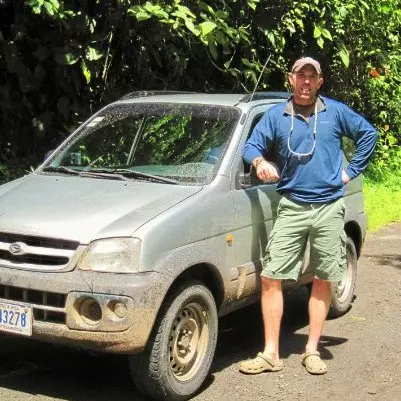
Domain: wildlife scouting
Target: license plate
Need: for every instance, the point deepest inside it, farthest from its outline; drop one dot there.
(16, 318)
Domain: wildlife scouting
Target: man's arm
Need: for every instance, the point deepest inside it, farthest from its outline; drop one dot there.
(257, 145)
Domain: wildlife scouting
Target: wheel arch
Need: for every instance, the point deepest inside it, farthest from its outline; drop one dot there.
(206, 274)
(353, 230)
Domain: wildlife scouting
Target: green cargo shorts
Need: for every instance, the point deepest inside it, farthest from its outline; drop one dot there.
(323, 224)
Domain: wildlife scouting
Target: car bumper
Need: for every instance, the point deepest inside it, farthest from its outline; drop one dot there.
(98, 311)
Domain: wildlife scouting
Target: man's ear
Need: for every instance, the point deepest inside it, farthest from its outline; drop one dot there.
(320, 82)
(291, 79)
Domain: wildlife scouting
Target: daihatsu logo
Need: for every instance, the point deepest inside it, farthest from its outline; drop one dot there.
(17, 248)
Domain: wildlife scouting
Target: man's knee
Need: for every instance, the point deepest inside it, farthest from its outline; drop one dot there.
(269, 284)
(321, 287)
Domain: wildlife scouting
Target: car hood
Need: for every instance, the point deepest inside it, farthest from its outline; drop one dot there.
(83, 209)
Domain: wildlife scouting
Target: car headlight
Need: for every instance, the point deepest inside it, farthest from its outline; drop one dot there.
(112, 255)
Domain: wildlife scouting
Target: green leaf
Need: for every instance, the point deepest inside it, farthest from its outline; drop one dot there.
(190, 25)
(70, 59)
(392, 140)
(207, 27)
(385, 9)
(300, 23)
(344, 54)
(327, 34)
(86, 72)
(186, 11)
(270, 35)
(92, 54)
(253, 4)
(156, 10)
(139, 13)
(366, 5)
(213, 49)
(246, 62)
(317, 31)
(320, 42)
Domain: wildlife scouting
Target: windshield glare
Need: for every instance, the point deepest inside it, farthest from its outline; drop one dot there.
(179, 141)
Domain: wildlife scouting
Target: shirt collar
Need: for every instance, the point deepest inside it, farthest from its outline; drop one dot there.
(321, 105)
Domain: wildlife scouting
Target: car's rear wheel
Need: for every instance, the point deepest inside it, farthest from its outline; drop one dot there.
(343, 291)
(181, 349)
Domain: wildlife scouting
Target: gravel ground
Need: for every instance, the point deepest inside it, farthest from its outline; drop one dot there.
(362, 350)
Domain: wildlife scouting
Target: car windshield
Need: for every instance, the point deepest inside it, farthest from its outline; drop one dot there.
(158, 142)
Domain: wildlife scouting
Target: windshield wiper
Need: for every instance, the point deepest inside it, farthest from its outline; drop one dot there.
(133, 173)
(124, 173)
(101, 174)
(60, 169)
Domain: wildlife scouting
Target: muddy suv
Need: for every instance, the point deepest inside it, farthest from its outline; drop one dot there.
(141, 229)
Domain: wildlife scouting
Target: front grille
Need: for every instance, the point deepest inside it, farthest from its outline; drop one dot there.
(31, 252)
(39, 241)
(34, 259)
(47, 306)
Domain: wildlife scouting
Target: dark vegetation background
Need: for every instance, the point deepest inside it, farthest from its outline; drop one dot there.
(62, 60)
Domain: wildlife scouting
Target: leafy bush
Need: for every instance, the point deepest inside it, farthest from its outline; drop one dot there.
(62, 60)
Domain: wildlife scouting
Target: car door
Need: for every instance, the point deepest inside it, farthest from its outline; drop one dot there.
(255, 207)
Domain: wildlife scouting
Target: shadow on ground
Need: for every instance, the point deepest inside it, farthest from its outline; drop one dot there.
(63, 373)
(393, 260)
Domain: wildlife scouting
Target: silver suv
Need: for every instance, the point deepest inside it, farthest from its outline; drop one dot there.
(141, 229)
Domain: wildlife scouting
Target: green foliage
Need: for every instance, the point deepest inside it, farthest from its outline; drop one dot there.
(382, 201)
(61, 60)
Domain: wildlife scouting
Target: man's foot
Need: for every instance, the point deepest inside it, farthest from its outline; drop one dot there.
(313, 363)
(260, 364)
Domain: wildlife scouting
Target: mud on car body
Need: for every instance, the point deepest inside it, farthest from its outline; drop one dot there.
(144, 227)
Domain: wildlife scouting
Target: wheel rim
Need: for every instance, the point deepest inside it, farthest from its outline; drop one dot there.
(344, 287)
(188, 341)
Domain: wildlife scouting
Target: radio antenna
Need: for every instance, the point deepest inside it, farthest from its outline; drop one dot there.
(260, 76)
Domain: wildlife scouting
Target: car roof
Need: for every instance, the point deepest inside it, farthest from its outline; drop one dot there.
(222, 99)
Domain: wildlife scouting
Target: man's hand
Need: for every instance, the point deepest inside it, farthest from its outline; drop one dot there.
(266, 171)
(345, 177)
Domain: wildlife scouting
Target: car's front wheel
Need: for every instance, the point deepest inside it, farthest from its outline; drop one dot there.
(343, 291)
(180, 351)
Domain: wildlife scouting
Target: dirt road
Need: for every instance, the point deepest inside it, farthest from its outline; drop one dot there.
(362, 350)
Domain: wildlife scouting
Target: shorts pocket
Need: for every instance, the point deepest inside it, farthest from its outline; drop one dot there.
(267, 258)
(342, 263)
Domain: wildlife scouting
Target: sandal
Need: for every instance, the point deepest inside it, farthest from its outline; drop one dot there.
(313, 363)
(260, 364)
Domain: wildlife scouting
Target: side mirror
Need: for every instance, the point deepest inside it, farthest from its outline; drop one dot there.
(247, 179)
(244, 180)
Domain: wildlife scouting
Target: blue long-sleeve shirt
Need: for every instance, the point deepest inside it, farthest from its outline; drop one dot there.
(317, 178)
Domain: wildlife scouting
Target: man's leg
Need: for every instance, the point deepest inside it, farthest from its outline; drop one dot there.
(319, 304)
(328, 261)
(283, 261)
(272, 311)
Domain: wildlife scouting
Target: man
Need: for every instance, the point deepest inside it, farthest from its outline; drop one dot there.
(306, 132)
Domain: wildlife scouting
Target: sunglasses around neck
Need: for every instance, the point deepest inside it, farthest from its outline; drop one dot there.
(298, 155)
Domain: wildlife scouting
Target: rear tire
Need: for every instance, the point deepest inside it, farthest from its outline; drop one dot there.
(180, 351)
(343, 292)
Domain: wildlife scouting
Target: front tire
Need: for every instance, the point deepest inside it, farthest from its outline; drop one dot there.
(343, 291)
(180, 351)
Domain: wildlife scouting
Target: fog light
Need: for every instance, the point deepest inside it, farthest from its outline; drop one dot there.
(90, 311)
(120, 309)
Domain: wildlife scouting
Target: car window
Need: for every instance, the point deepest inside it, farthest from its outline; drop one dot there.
(271, 153)
(180, 141)
(247, 166)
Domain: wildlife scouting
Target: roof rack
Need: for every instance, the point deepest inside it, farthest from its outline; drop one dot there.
(135, 94)
(265, 95)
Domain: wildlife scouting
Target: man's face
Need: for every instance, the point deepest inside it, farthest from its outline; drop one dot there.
(305, 84)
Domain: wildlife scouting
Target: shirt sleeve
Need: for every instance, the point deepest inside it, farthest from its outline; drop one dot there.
(364, 136)
(261, 138)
